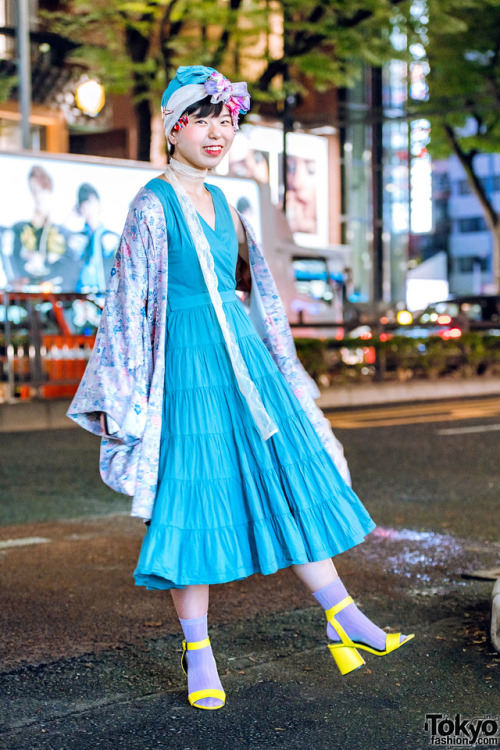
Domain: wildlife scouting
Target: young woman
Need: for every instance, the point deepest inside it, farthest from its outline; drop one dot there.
(206, 415)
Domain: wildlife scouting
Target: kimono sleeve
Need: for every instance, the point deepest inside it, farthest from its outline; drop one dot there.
(117, 378)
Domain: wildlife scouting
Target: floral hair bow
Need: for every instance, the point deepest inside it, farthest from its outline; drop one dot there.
(234, 95)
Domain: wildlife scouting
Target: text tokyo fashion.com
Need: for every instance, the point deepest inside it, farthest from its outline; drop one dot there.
(454, 731)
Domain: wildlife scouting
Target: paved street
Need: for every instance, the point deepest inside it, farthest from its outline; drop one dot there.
(90, 661)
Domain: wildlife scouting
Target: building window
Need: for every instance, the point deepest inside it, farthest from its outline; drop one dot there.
(468, 264)
(440, 211)
(441, 182)
(472, 224)
(464, 187)
(490, 184)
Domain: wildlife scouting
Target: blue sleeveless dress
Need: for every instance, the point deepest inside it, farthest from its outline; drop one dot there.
(229, 503)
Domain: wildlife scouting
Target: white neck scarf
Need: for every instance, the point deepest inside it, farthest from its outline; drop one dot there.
(185, 172)
(263, 421)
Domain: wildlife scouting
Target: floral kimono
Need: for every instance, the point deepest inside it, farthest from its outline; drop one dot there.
(124, 378)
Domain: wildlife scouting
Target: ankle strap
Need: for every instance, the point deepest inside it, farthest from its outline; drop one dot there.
(195, 645)
(338, 607)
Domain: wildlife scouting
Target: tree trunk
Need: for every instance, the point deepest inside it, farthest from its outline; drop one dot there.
(496, 258)
(143, 118)
(138, 45)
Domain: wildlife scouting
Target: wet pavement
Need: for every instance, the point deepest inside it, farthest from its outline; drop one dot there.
(104, 673)
(88, 660)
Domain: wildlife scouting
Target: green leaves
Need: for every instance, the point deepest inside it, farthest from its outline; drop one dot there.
(462, 43)
(326, 41)
(7, 84)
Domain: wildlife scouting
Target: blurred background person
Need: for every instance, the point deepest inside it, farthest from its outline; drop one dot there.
(35, 251)
(245, 208)
(95, 245)
(301, 196)
(248, 162)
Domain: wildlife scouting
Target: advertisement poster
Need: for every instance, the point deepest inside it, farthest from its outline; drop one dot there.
(61, 218)
(257, 153)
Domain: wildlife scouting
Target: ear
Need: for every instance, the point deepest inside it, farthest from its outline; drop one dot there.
(172, 139)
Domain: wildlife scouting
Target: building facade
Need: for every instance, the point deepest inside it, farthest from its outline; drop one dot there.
(470, 242)
(376, 185)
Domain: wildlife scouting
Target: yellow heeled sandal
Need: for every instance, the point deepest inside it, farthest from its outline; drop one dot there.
(345, 653)
(199, 694)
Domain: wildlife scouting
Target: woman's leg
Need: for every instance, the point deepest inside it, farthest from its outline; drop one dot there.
(191, 604)
(316, 575)
(322, 580)
(191, 601)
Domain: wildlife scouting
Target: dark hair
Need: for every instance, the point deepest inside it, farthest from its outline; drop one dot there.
(43, 178)
(86, 191)
(202, 108)
(205, 108)
(243, 204)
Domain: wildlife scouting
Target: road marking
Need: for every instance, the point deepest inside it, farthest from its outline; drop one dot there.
(8, 543)
(474, 428)
(415, 413)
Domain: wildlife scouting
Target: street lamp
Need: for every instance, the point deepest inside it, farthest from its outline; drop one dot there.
(89, 97)
(24, 70)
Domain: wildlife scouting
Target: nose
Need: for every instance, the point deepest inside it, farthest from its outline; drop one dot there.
(214, 130)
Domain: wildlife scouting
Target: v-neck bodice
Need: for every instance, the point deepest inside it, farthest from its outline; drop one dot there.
(185, 276)
(214, 203)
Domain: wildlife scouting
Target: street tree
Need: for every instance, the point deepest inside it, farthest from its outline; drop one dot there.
(462, 46)
(278, 46)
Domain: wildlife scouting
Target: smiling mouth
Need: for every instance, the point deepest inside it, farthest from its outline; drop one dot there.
(213, 149)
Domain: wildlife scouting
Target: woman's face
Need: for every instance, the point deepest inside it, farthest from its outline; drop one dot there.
(204, 141)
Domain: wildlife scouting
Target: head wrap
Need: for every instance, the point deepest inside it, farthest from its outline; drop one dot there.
(195, 82)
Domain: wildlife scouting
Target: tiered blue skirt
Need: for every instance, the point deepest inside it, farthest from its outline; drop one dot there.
(230, 504)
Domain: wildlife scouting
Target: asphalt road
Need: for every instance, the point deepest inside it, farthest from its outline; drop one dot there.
(427, 467)
(89, 661)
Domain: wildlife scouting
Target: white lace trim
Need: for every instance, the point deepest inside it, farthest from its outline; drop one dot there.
(263, 421)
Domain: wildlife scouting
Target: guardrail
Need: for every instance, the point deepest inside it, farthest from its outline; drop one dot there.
(33, 362)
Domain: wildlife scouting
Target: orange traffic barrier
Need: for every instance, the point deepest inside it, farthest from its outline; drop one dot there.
(65, 359)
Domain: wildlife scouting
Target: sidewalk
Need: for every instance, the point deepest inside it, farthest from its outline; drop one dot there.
(51, 414)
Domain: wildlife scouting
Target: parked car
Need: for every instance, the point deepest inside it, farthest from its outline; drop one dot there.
(453, 317)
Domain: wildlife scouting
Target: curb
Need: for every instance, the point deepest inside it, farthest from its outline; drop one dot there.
(371, 394)
(35, 415)
(51, 413)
